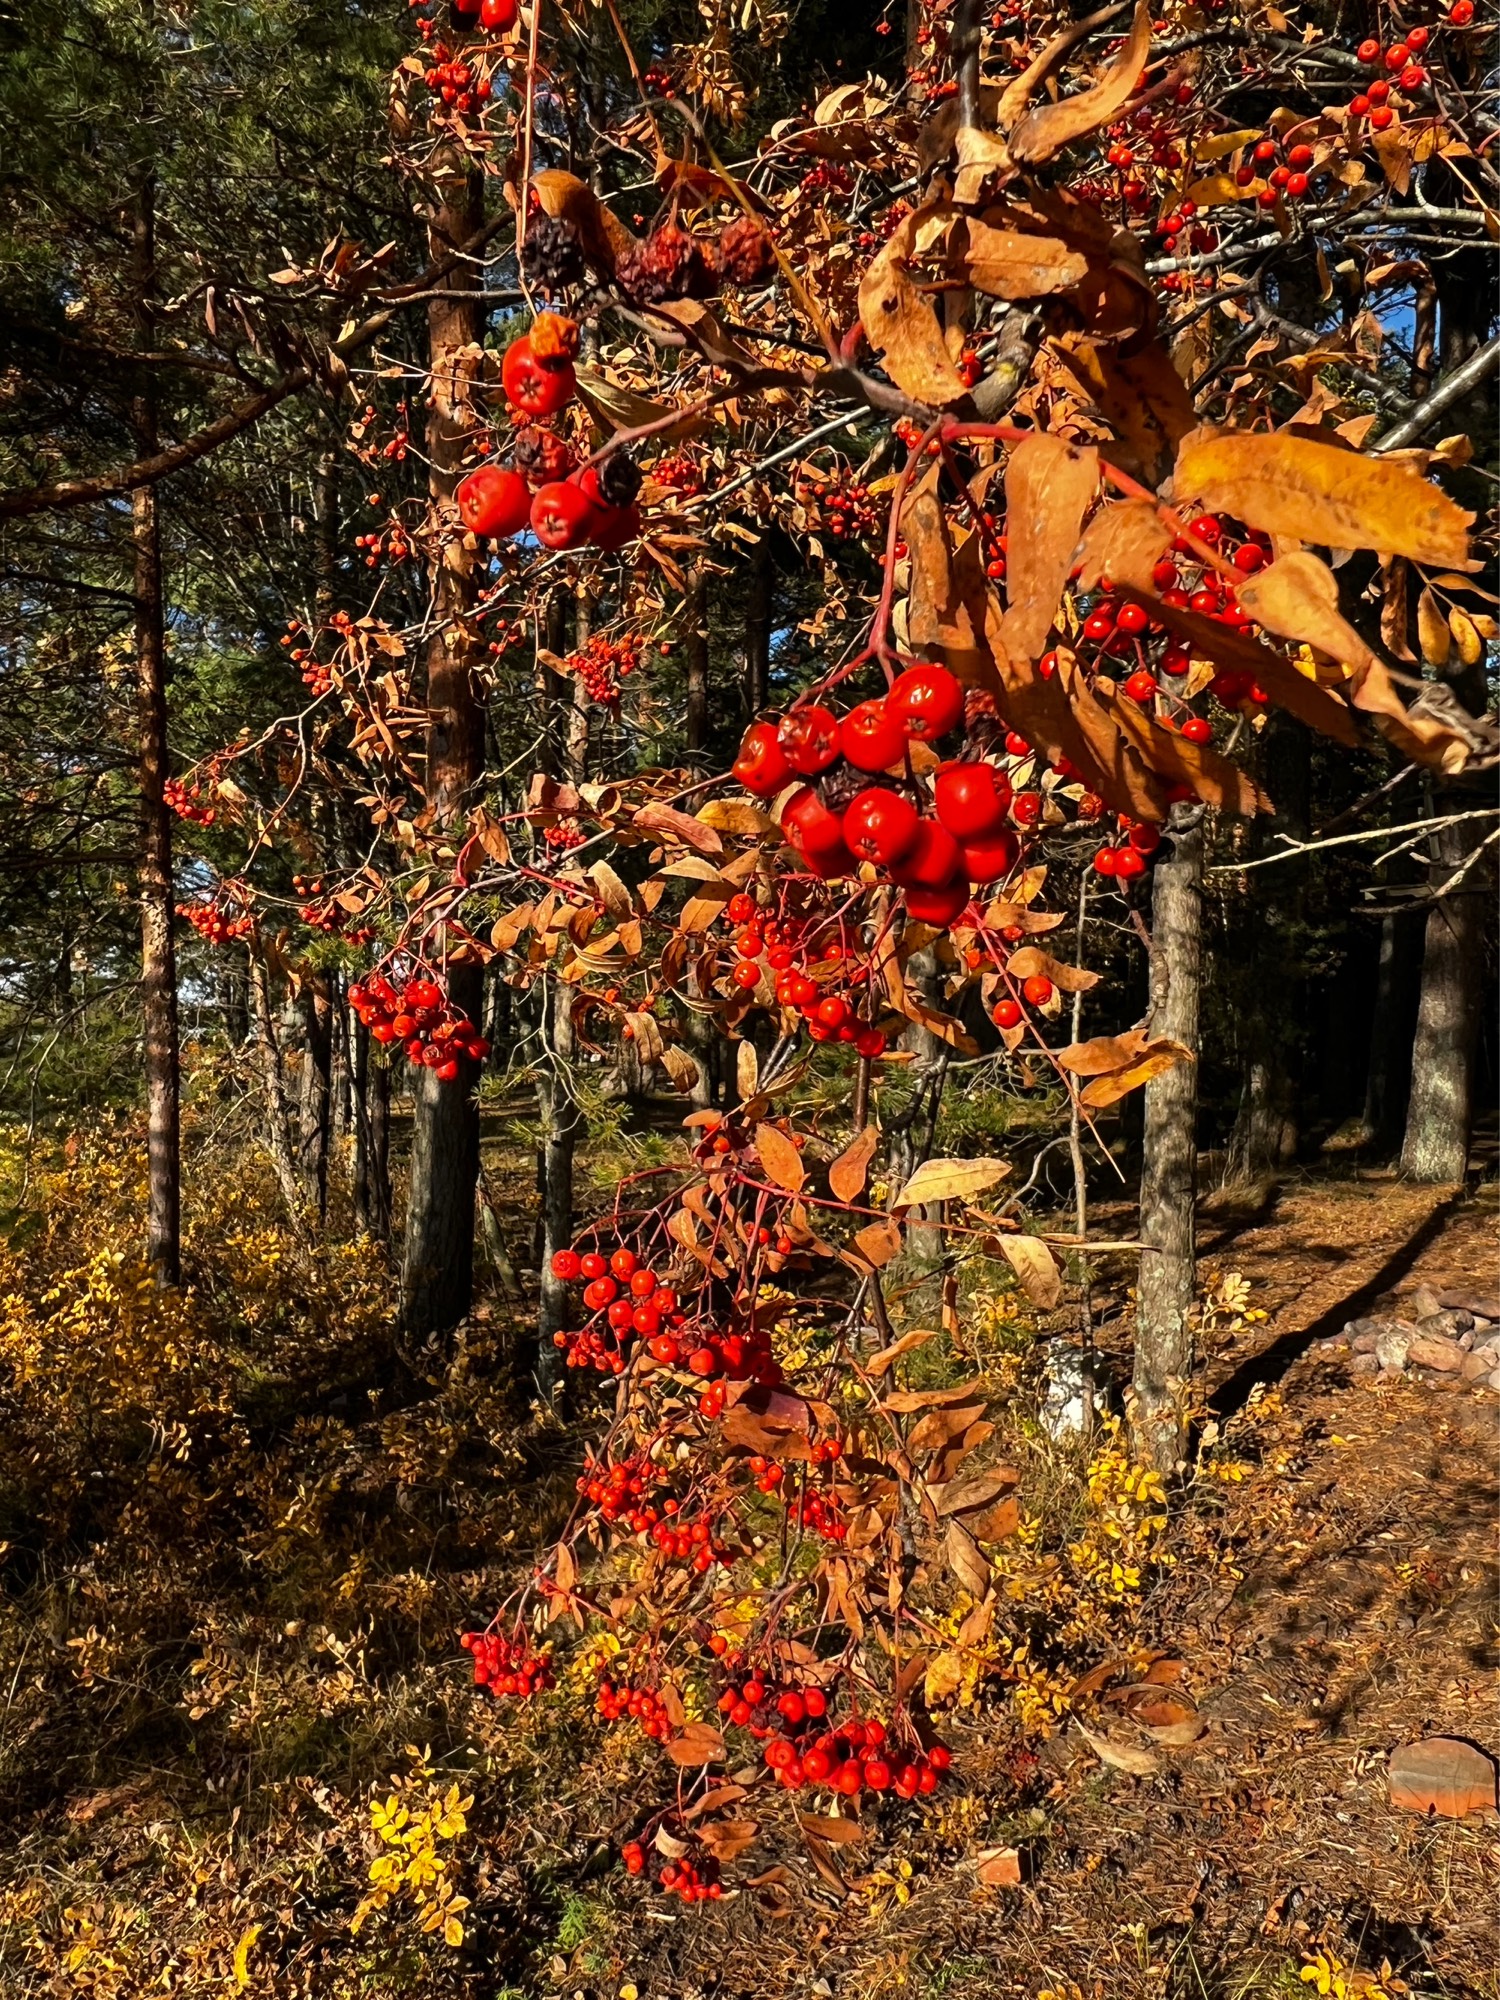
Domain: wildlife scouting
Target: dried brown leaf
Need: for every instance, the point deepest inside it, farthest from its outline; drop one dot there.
(780, 1158)
(1049, 128)
(1049, 486)
(950, 1180)
(848, 1173)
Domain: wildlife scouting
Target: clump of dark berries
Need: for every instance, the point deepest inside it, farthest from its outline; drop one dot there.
(667, 264)
(745, 253)
(619, 479)
(540, 455)
(552, 255)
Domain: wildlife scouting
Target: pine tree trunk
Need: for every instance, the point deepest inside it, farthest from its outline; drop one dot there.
(438, 1265)
(315, 1105)
(158, 949)
(758, 629)
(1440, 1111)
(1388, 1073)
(273, 1090)
(1164, 1338)
(562, 1126)
(695, 648)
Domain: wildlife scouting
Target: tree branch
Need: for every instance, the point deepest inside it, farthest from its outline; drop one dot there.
(1452, 389)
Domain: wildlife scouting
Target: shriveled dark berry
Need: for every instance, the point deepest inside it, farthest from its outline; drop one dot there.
(668, 264)
(745, 253)
(552, 255)
(619, 479)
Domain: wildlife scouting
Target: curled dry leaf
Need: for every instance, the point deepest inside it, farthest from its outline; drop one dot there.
(1011, 264)
(1049, 487)
(1036, 1267)
(1122, 542)
(727, 1839)
(1297, 597)
(961, 1496)
(903, 1401)
(1031, 959)
(997, 1523)
(1171, 1719)
(847, 1175)
(841, 1832)
(1214, 779)
(746, 1069)
(568, 199)
(680, 827)
(1154, 1059)
(902, 326)
(1019, 91)
(939, 1428)
(780, 1158)
(1297, 488)
(1049, 128)
(950, 1180)
(878, 1242)
(944, 1677)
(697, 1744)
(1442, 1774)
(884, 1361)
(1121, 1756)
(966, 1560)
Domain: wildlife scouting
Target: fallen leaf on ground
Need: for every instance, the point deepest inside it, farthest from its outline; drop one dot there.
(1000, 1867)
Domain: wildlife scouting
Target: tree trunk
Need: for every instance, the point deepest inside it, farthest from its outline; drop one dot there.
(1388, 1073)
(1441, 1108)
(372, 1127)
(696, 663)
(315, 1104)
(562, 1126)
(158, 950)
(438, 1266)
(1164, 1338)
(758, 629)
(273, 1089)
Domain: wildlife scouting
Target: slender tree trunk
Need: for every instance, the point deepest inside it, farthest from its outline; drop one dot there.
(1440, 1111)
(158, 949)
(273, 1090)
(696, 665)
(438, 1267)
(1164, 1337)
(315, 1106)
(562, 1127)
(577, 745)
(1389, 1070)
(758, 629)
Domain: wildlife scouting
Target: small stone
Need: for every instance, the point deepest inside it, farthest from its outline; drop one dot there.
(1466, 1340)
(1364, 1341)
(1450, 1323)
(1494, 1381)
(1433, 1350)
(1393, 1344)
(1483, 1305)
(1476, 1367)
(1424, 1300)
(1364, 1364)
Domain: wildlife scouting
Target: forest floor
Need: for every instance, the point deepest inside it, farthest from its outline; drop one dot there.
(1331, 1599)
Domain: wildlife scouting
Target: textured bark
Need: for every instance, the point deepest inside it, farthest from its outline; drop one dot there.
(1164, 1338)
(158, 948)
(437, 1274)
(1440, 1111)
(1388, 1073)
(371, 1112)
(758, 629)
(315, 1097)
(562, 1126)
(273, 1090)
(695, 660)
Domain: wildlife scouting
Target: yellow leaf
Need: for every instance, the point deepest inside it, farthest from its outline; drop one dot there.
(780, 1158)
(1034, 1264)
(1043, 132)
(1293, 486)
(950, 1180)
(453, 1932)
(242, 1953)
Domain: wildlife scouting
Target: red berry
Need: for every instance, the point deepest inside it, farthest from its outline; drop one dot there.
(1037, 990)
(816, 834)
(809, 739)
(971, 799)
(987, 860)
(1007, 1014)
(566, 1264)
(1198, 729)
(494, 501)
(937, 907)
(561, 515)
(1397, 56)
(927, 701)
(1382, 117)
(871, 737)
(1461, 13)
(498, 15)
(1140, 686)
(932, 861)
(539, 391)
(762, 766)
(880, 825)
(1368, 51)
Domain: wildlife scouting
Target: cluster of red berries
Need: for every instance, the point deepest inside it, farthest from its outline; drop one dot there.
(693, 1542)
(393, 545)
(682, 471)
(620, 1491)
(837, 506)
(1130, 857)
(658, 81)
(184, 801)
(497, 17)
(932, 859)
(603, 664)
(508, 1666)
(455, 80)
(642, 1705)
(324, 913)
(885, 226)
(629, 1301)
(417, 1014)
(827, 177)
(778, 949)
(214, 924)
(564, 834)
(848, 1759)
(595, 503)
(820, 1514)
(695, 1881)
